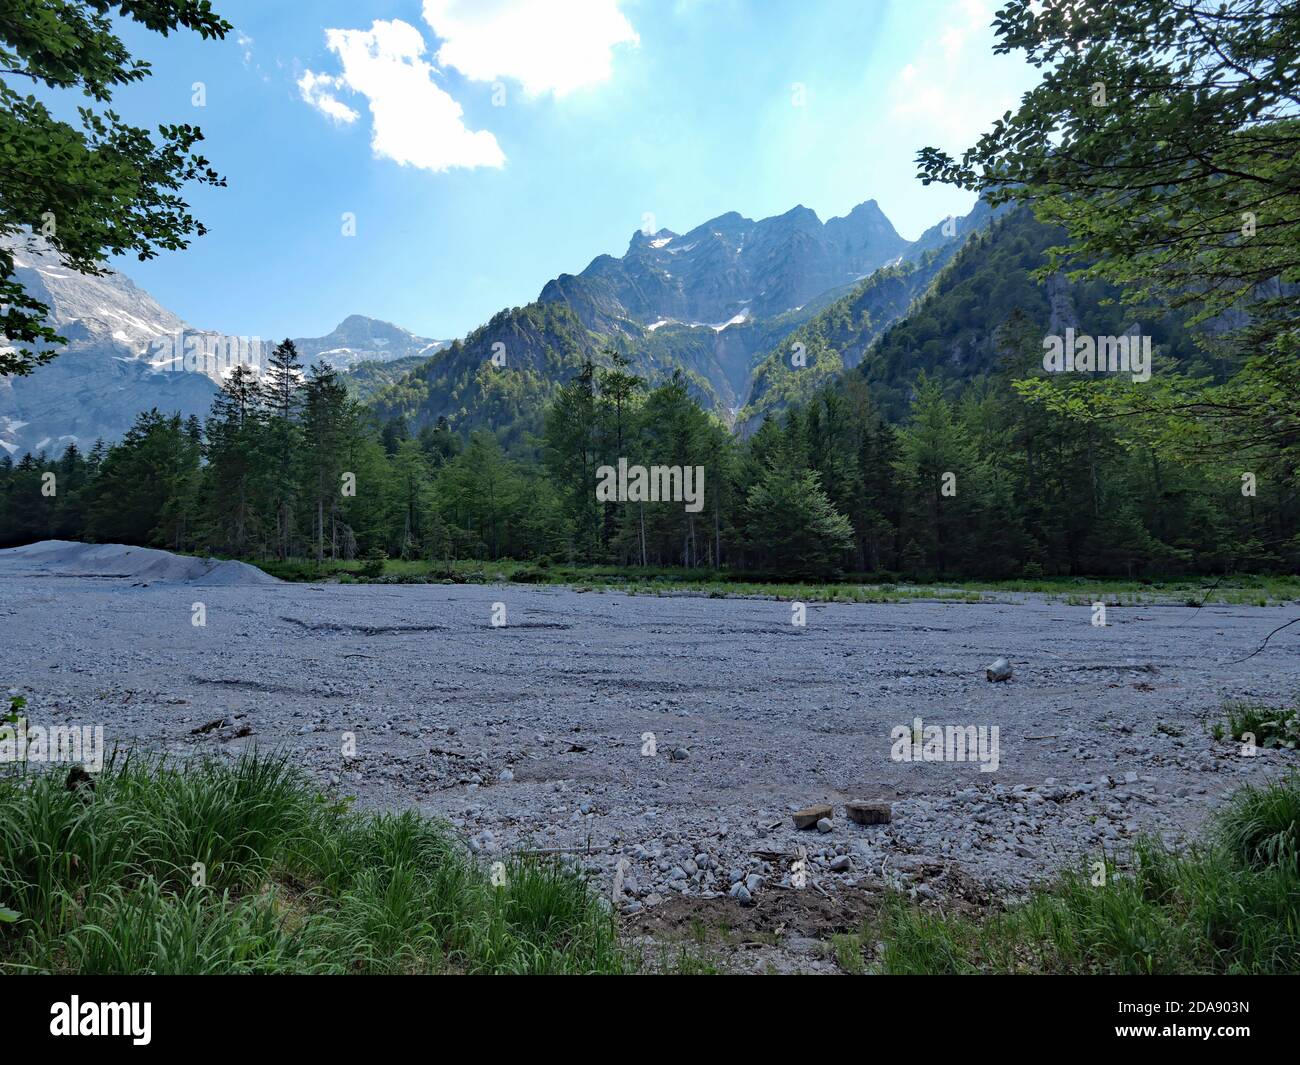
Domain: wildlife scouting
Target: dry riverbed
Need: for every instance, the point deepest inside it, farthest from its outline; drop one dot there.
(531, 734)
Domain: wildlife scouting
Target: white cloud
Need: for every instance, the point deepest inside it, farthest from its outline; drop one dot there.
(543, 45)
(415, 121)
(318, 90)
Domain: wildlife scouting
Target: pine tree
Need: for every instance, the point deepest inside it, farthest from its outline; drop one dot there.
(937, 470)
(793, 527)
(282, 392)
(129, 500)
(325, 423)
(571, 449)
(235, 475)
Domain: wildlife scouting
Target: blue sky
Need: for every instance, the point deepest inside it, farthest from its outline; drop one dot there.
(485, 146)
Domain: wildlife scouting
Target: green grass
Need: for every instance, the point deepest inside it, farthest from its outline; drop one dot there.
(1229, 906)
(1270, 726)
(1243, 590)
(104, 882)
(107, 882)
(847, 948)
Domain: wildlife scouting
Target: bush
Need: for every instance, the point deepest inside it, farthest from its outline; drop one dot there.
(372, 564)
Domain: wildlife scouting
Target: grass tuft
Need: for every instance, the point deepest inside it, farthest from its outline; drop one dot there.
(170, 867)
(1231, 905)
(1269, 726)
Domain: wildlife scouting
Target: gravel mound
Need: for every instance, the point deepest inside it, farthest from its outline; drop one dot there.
(67, 558)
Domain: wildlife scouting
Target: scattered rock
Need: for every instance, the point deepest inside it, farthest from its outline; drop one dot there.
(825, 825)
(869, 813)
(810, 815)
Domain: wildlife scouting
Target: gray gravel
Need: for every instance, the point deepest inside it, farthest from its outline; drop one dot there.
(531, 735)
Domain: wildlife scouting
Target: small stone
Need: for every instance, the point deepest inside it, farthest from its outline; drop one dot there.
(840, 864)
(506, 776)
(869, 813)
(810, 815)
(741, 894)
(680, 754)
(825, 825)
(999, 670)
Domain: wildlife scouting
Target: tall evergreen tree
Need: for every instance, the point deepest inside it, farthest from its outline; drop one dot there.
(282, 391)
(325, 423)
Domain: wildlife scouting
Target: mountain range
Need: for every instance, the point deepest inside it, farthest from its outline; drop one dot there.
(720, 303)
(715, 303)
(127, 353)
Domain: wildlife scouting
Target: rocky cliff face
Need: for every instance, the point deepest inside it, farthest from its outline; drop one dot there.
(729, 269)
(712, 302)
(113, 366)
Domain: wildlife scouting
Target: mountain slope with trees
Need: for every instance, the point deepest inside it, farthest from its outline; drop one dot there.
(705, 303)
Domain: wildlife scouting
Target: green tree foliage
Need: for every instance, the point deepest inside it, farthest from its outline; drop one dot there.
(327, 420)
(1164, 140)
(792, 526)
(139, 495)
(282, 395)
(572, 450)
(974, 482)
(238, 479)
(99, 188)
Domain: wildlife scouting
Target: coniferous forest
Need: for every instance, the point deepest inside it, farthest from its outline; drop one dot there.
(975, 481)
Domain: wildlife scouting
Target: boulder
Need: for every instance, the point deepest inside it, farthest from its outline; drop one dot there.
(810, 815)
(869, 813)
